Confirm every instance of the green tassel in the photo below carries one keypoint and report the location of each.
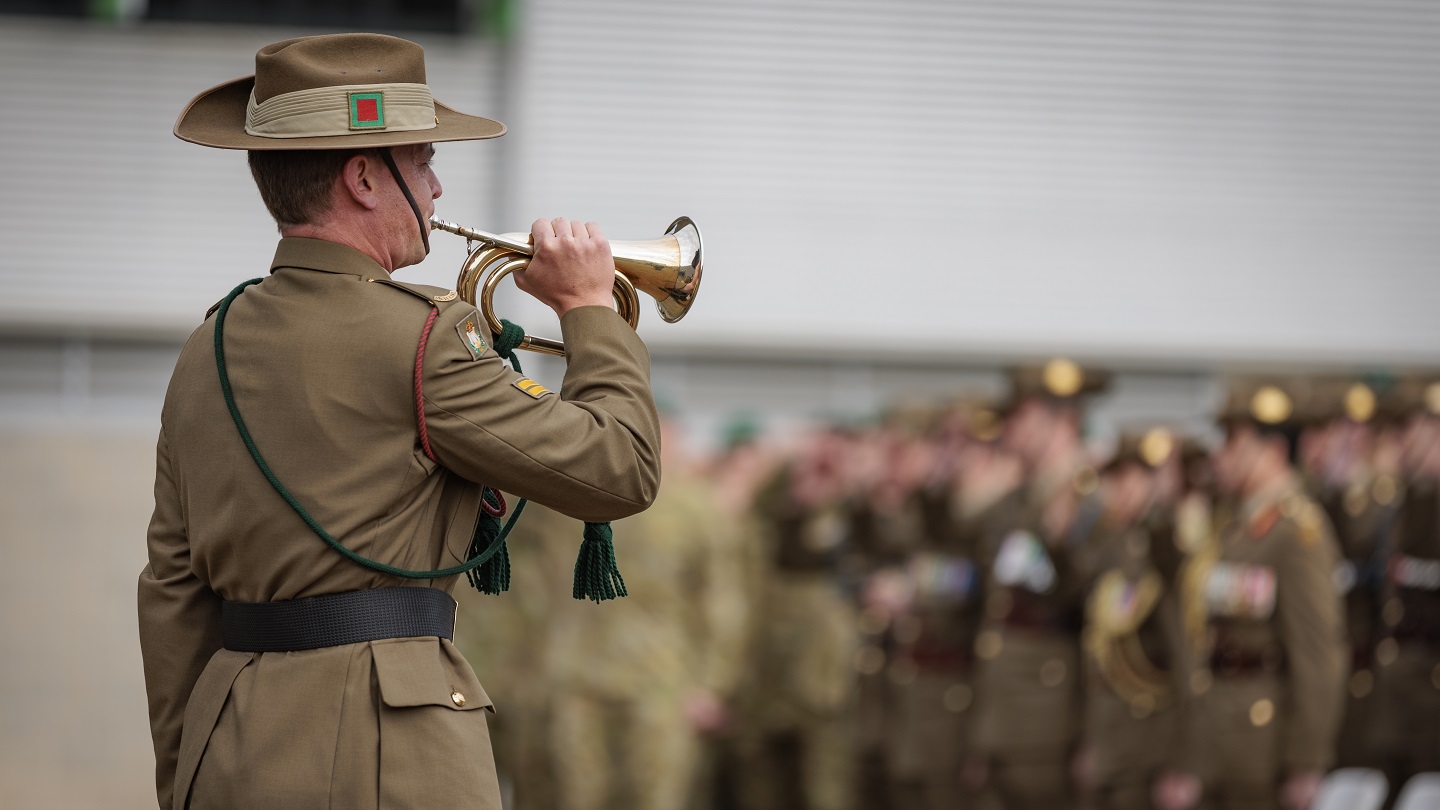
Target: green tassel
(492, 576)
(597, 576)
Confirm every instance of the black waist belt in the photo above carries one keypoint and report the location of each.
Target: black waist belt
(336, 619)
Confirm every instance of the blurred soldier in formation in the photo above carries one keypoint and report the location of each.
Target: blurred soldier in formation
(966, 473)
(1138, 660)
(1337, 452)
(1263, 598)
(1409, 655)
(636, 683)
(736, 473)
(889, 462)
(793, 741)
(1026, 726)
(501, 636)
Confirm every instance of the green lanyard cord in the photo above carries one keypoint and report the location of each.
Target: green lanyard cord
(495, 545)
(597, 573)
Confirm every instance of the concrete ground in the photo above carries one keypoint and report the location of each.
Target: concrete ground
(73, 724)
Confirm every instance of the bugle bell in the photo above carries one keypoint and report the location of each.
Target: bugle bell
(666, 269)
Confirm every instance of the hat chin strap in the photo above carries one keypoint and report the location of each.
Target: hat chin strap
(410, 198)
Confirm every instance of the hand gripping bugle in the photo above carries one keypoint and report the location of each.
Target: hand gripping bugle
(666, 269)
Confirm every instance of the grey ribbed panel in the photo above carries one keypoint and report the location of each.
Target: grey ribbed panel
(1148, 179)
(110, 223)
(1224, 180)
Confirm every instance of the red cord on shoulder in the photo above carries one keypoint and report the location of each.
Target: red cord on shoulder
(493, 511)
(419, 384)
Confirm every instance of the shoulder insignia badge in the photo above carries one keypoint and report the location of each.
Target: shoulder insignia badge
(469, 331)
(532, 388)
(450, 296)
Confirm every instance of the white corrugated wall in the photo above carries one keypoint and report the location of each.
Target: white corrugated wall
(112, 225)
(1227, 180)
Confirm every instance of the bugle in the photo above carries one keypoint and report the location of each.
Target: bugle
(666, 269)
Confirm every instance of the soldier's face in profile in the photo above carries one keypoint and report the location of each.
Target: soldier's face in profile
(416, 164)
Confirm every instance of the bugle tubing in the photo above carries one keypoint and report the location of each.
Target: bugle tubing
(667, 269)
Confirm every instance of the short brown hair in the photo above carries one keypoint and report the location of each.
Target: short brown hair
(295, 184)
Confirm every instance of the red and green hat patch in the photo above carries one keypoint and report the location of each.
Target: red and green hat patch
(367, 110)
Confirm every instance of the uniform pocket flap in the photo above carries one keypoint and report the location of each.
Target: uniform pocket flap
(425, 672)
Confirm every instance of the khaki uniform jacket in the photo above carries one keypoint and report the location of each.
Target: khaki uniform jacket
(1027, 682)
(322, 359)
(1278, 653)
(1138, 660)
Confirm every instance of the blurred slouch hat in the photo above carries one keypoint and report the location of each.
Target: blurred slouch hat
(1059, 381)
(336, 91)
(1153, 448)
(1418, 394)
(1352, 398)
(1268, 403)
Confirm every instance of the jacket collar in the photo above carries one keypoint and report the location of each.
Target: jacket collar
(327, 257)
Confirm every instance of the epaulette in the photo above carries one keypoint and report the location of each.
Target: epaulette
(1311, 521)
(213, 308)
(1308, 518)
(419, 291)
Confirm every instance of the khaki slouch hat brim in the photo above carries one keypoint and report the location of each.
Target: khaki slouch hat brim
(301, 98)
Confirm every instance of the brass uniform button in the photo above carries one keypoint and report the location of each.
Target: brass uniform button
(1362, 682)
(988, 645)
(457, 698)
(958, 697)
(1261, 713)
(1052, 673)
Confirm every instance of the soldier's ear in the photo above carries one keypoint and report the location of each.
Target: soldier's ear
(359, 180)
